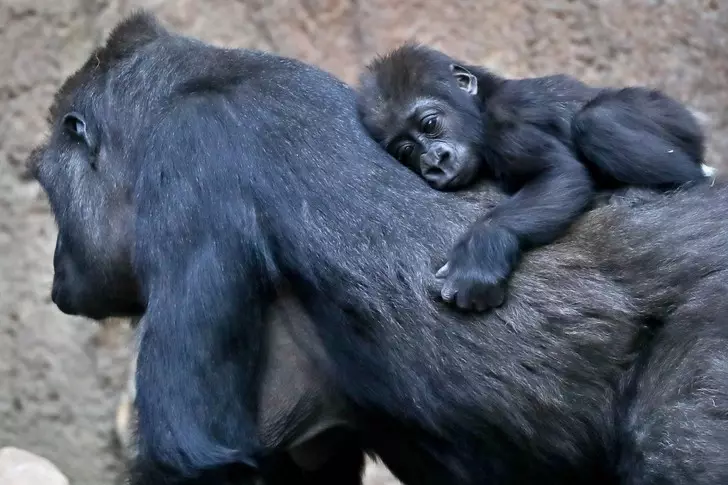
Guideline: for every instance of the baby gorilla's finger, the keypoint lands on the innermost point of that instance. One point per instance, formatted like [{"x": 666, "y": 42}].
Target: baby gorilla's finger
[
  {"x": 449, "y": 291},
  {"x": 464, "y": 300},
  {"x": 481, "y": 305},
  {"x": 485, "y": 295},
  {"x": 434, "y": 286},
  {"x": 496, "y": 295}
]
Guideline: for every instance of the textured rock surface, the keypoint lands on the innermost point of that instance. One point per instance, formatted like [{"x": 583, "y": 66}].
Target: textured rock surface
[{"x": 59, "y": 376}]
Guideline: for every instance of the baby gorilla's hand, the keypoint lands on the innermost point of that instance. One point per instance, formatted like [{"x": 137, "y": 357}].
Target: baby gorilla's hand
[{"x": 476, "y": 274}]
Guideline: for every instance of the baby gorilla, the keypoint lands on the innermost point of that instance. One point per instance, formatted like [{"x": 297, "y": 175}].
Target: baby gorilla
[{"x": 551, "y": 141}]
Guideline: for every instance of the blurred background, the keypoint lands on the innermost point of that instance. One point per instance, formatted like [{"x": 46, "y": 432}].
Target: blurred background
[{"x": 60, "y": 377}]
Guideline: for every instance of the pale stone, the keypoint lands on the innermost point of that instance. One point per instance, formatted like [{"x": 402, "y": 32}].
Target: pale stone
[{"x": 19, "y": 467}]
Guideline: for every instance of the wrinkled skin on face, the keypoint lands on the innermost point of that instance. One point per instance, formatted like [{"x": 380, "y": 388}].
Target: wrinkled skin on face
[
  {"x": 422, "y": 109},
  {"x": 431, "y": 139},
  {"x": 92, "y": 262}
]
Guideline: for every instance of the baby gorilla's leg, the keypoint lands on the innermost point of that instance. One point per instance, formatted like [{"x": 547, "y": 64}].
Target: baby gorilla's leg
[{"x": 639, "y": 136}]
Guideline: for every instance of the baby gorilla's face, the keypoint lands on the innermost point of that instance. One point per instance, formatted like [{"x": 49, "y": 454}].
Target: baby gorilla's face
[
  {"x": 424, "y": 109},
  {"x": 436, "y": 140}
]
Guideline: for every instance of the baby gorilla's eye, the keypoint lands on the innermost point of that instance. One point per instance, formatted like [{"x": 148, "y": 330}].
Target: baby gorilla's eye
[
  {"x": 403, "y": 152},
  {"x": 429, "y": 125}
]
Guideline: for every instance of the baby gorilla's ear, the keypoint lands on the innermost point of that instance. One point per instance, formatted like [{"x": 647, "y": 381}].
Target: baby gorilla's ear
[{"x": 466, "y": 81}]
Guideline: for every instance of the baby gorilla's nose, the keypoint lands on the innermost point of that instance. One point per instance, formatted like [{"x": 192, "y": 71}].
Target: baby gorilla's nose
[
  {"x": 442, "y": 154},
  {"x": 434, "y": 166}
]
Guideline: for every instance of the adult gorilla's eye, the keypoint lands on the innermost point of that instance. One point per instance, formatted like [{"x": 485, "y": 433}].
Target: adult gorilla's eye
[
  {"x": 429, "y": 125},
  {"x": 75, "y": 126},
  {"x": 403, "y": 152}
]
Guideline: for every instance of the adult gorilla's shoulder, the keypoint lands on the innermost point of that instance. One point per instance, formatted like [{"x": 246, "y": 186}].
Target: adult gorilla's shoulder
[{"x": 191, "y": 183}]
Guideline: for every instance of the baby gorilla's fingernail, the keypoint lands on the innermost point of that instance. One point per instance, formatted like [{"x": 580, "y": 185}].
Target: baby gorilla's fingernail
[
  {"x": 708, "y": 171},
  {"x": 442, "y": 272}
]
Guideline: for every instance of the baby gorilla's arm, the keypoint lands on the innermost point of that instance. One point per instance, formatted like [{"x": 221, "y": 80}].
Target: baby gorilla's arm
[{"x": 555, "y": 189}]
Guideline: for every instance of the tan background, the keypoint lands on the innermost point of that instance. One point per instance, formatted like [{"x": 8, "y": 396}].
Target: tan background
[{"x": 60, "y": 376}]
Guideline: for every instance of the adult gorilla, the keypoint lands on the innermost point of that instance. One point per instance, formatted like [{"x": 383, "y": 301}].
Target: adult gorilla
[{"x": 193, "y": 185}]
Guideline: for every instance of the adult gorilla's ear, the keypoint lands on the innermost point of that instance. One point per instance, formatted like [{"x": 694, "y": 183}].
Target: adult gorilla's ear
[{"x": 466, "y": 80}]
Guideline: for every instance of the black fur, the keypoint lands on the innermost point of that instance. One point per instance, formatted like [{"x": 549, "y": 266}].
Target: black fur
[
  {"x": 551, "y": 141},
  {"x": 638, "y": 136},
  {"x": 221, "y": 175}
]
